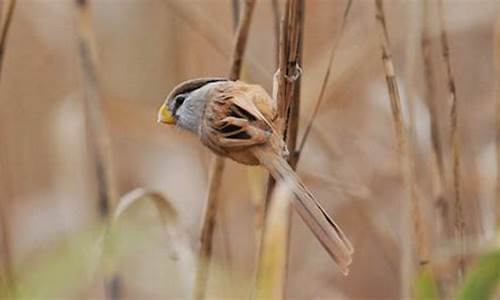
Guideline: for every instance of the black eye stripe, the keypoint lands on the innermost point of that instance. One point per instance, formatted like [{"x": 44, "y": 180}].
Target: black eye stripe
[{"x": 178, "y": 101}]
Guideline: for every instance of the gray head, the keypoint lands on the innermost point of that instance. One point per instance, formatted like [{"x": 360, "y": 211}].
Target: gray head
[{"x": 185, "y": 104}]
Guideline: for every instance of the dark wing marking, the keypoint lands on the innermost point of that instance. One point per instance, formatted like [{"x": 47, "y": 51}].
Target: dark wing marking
[{"x": 239, "y": 112}]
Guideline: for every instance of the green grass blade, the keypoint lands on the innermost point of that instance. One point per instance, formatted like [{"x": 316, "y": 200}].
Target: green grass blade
[{"x": 483, "y": 279}]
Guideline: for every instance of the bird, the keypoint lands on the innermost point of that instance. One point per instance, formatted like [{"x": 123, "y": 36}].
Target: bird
[{"x": 239, "y": 120}]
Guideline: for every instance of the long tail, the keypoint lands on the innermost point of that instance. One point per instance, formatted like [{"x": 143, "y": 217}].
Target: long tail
[{"x": 320, "y": 223}]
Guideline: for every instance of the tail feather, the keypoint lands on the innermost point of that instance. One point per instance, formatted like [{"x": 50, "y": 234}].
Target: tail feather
[{"x": 320, "y": 223}]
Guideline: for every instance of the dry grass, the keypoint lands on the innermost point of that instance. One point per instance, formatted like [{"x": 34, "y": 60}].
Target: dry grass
[
  {"x": 97, "y": 132},
  {"x": 176, "y": 239},
  {"x": 335, "y": 45},
  {"x": 271, "y": 274},
  {"x": 286, "y": 86},
  {"x": 459, "y": 220},
  {"x": 431, "y": 98},
  {"x": 7, "y": 14},
  {"x": 410, "y": 205},
  {"x": 497, "y": 117},
  {"x": 99, "y": 141},
  {"x": 287, "y": 94},
  {"x": 48, "y": 175}
]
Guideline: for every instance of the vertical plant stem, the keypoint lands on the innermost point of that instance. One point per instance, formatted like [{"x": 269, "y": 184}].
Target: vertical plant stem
[
  {"x": 271, "y": 273},
  {"x": 222, "y": 209},
  {"x": 288, "y": 80},
  {"x": 98, "y": 136},
  {"x": 496, "y": 214},
  {"x": 411, "y": 206},
  {"x": 217, "y": 167},
  {"x": 459, "y": 221},
  {"x": 241, "y": 39},
  {"x": 5, "y": 239},
  {"x": 413, "y": 38},
  {"x": 208, "y": 226},
  {"x": 7, "y": 13},
  {"x": 288, "y": 77},
  {"x": 432, "y": 103}
]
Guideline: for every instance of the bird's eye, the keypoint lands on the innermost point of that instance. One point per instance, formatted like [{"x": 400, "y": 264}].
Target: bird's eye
[{"x": 178, "y": 101}]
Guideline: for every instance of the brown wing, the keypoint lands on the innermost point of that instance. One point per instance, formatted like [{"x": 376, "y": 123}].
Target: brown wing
[{"x": 238, "y": 115}]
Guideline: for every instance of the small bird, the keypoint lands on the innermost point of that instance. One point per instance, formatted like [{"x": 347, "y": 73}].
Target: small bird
[{"x": 239, "y": 121}]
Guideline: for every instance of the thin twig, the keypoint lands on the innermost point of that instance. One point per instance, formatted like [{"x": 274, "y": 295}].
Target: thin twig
[
  {"x": 241, "y": 40},
  {"x": 335, "y": 44},
  {"x": 98, "y": 136},
  {"x": 215, "y": 36},
  {"x": 432, "y": 103},
  {"x": 410, "y": 207},
  {"x": 496, "y": 215},
  {"x": 459, "y": 221},
  {"x": 217, "y": 168},
  {"x": 6, "y": 247},
  {"x": 413, "y": 37},
  {"x": 7, "y": 13},
  {"x": 222, "y": 209}
]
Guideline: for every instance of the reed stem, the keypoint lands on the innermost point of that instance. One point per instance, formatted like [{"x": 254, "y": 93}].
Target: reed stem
[{"x": 212, "y": 202}]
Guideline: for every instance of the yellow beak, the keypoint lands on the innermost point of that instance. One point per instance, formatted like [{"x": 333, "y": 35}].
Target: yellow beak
[{"x": 164, "y": 115}]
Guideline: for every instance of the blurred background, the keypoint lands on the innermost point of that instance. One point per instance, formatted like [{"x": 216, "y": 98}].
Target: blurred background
[{"x": 49, "y": 188}]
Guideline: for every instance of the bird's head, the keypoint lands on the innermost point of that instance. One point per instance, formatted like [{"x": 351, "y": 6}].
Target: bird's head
[{"x": 185, "y": 104}]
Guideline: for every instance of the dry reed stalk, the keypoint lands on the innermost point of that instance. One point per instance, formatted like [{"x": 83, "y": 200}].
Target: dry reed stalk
[
  {"x": 413, "y": 34},
  {"x": 432, "y": 103},
  {"x": 413, "y": 37},
  {"x": 7, "y": 13},
  {"x": 222, "y": 212},
  {"x": 217, "y": 167},
  {"x": 411, "y": 208},
  {"x": 241, "y": 39},
  {"x": 497, "y": 116},
  {"x": 5, "y": 239},
  {"x": 8, "y": 277},
  {"x": 98, "y": 136},
  {"x": 99, "y": 140},
  {"x": 335, "y": 44},
  {"x": 459, "y": 221},
  {"x": 271, "y": 273},
  {"x": 287, "y": 78},
  {"x": 287, "y": 92}
]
